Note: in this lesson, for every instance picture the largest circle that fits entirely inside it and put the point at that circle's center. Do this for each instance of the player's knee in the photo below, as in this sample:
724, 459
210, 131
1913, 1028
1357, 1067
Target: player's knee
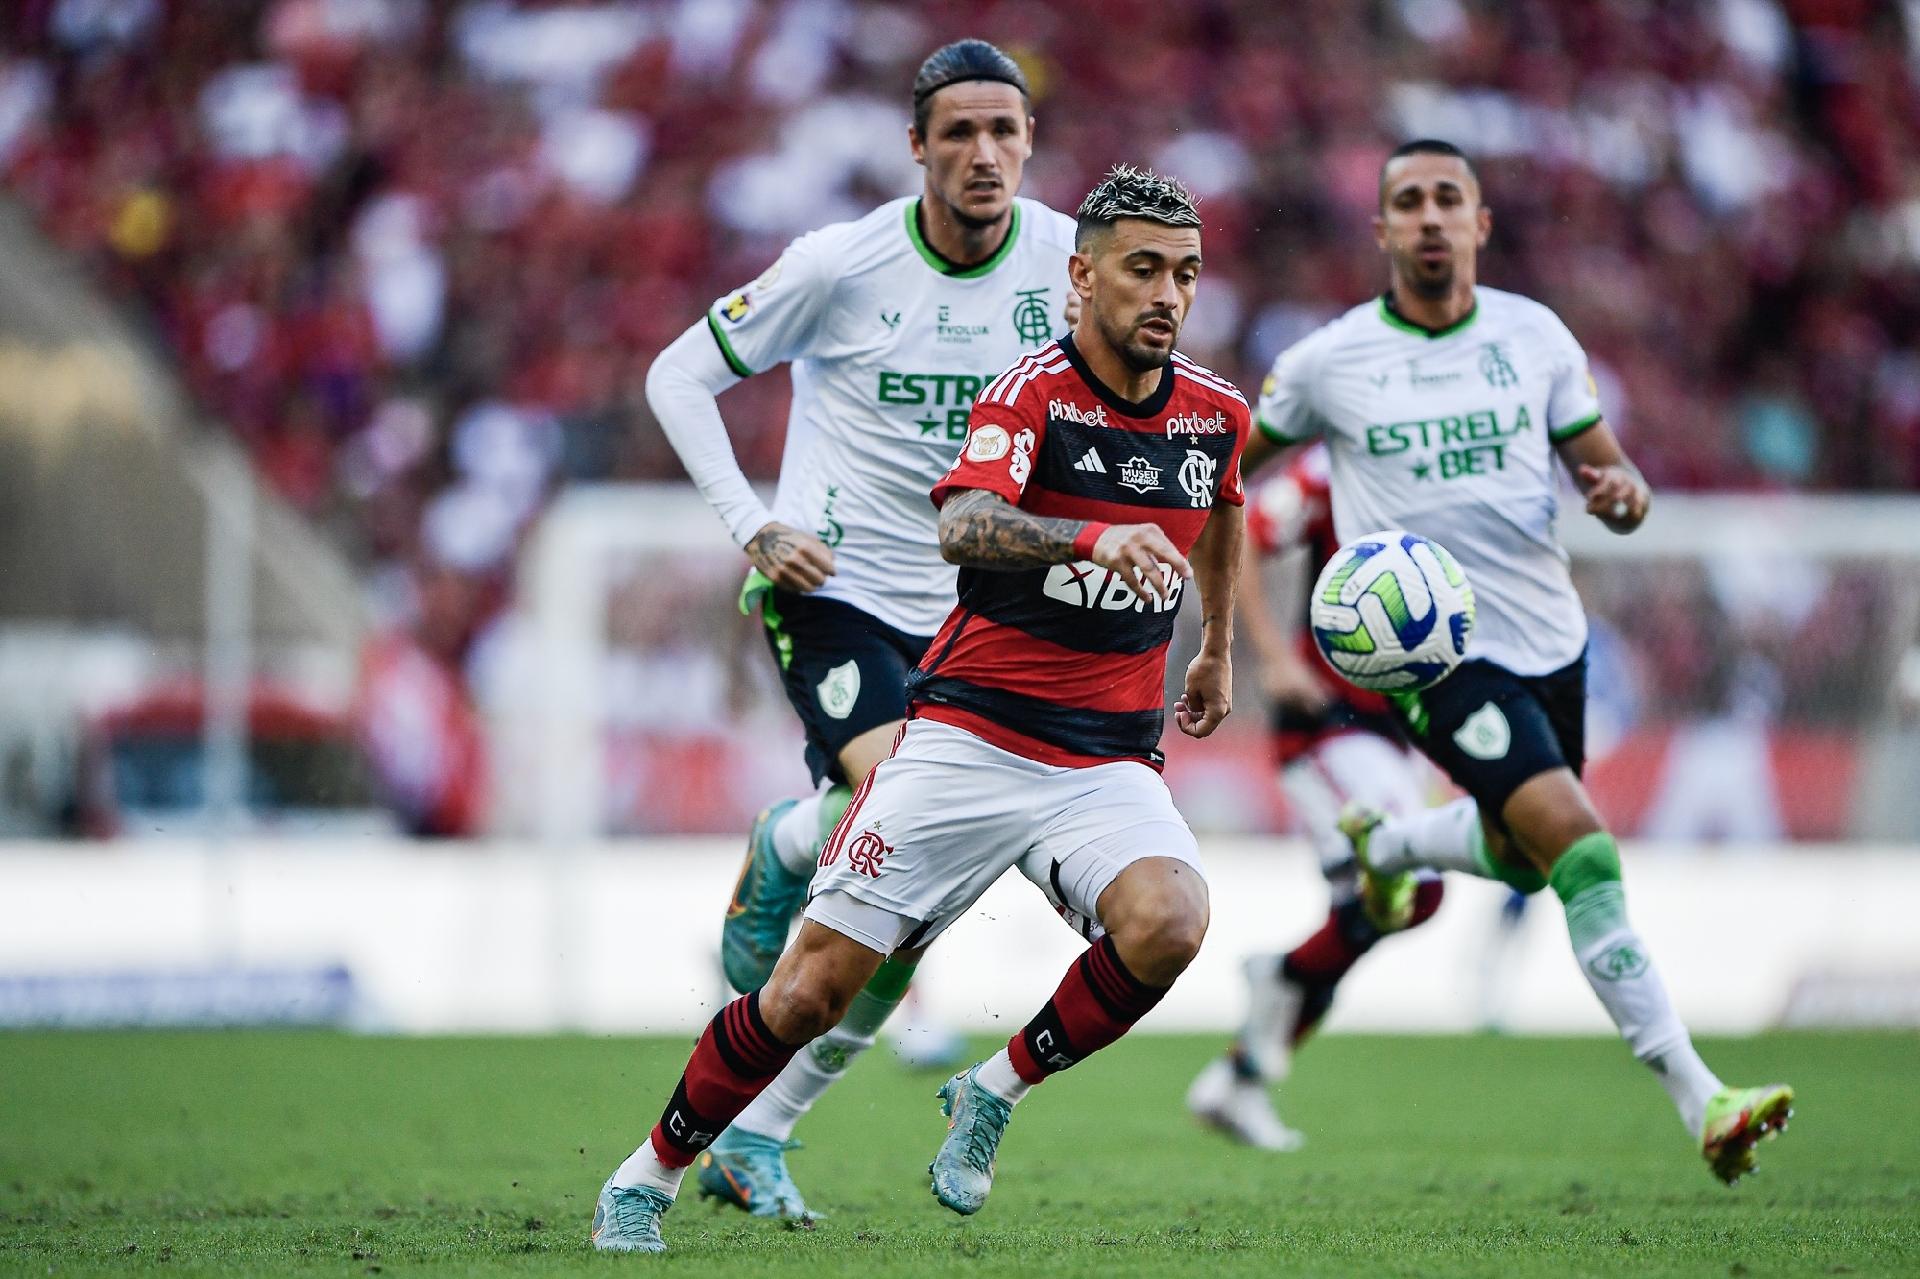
808, 994
1161, 936
799, 1010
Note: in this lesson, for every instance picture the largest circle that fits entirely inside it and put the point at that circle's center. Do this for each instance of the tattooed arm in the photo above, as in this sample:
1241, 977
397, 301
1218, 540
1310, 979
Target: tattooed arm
983, 530
979, 529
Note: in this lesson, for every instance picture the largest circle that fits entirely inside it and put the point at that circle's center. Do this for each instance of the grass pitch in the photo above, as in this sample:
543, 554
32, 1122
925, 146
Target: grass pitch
264, 1153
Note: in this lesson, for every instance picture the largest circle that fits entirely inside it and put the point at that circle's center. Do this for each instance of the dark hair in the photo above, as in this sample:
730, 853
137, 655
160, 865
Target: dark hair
1425, 146
956, 63
1127, 192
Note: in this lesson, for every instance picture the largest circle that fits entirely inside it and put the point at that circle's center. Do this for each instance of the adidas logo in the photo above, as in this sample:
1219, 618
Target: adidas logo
1091, 462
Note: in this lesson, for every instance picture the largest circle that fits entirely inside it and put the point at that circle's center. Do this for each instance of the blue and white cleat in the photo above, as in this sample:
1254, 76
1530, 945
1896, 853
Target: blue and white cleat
627, 1219
976, 1120
763, 906
749, 1171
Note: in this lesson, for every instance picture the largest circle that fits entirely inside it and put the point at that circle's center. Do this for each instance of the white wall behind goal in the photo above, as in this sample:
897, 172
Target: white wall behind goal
622, 937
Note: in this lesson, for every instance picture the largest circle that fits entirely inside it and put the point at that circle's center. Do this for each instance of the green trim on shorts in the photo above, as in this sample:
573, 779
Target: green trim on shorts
1409, 704
758, 589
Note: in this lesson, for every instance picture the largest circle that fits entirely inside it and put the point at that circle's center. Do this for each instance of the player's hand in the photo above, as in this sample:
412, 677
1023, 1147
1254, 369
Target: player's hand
792, 560
1073, 309
1209, 695
1136, 552
1294, 685
1615, 494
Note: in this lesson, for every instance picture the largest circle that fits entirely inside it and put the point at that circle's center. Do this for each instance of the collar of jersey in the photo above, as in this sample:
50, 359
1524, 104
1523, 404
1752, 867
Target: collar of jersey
1154, 404
953, 270
1401, 322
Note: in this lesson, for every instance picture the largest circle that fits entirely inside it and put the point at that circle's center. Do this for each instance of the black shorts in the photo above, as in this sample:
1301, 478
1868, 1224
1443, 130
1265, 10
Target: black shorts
1492, 730
844, 670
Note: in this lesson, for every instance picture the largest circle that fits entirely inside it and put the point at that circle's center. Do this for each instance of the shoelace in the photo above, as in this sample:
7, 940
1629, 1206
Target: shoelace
981, 1135
635, 1208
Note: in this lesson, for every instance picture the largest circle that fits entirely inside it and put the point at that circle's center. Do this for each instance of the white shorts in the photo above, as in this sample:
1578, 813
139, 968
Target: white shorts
947, 814
1350, 768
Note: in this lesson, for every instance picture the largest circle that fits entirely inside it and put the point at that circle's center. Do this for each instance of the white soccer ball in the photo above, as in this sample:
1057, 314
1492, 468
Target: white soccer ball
1392, 612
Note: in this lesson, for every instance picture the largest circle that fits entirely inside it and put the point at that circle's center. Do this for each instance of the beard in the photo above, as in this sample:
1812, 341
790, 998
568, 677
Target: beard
1140, 358
1137, 355
1432, 286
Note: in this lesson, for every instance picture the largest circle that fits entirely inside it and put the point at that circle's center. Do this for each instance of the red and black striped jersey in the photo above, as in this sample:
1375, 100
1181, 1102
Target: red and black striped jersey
1066, 664
1295, 509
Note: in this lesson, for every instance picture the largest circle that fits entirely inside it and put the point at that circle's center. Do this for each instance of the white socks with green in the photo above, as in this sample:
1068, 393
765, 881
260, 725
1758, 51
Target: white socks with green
814, 1068
1616, 964
796, 836
803, 829
1443, 838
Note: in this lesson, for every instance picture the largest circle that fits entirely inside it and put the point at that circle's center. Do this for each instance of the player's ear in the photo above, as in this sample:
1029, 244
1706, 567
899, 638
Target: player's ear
917, 145
1031, 122
1080, 272
1380, 231
1484, 221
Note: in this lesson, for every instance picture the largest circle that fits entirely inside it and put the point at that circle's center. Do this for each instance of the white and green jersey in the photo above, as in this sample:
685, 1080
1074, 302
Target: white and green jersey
1450, 435
888, 344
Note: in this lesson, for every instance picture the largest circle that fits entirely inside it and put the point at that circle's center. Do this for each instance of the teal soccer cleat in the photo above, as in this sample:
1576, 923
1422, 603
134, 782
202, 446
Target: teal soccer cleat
763, 906
749, 1171
976, 1120
627, 1219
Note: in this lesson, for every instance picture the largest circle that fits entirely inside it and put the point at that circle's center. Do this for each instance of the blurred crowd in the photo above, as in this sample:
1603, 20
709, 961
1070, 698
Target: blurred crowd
417, 254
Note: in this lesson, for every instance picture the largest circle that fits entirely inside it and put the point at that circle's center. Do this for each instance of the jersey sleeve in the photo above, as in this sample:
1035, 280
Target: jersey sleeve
1232, 491
778, 317
1573, 399
1278, 514
1285, 412
1002, 442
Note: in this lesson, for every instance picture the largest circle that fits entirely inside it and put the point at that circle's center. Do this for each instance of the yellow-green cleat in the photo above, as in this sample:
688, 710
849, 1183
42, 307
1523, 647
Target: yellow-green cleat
763, 906
1386, 899
1738, 1119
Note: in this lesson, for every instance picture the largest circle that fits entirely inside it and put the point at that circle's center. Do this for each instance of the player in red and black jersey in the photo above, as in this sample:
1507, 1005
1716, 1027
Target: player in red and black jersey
1334, 744
1099, 478
1065, 662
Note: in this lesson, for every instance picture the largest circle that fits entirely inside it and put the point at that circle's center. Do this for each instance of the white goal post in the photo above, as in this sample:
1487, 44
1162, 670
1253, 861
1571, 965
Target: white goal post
551, 738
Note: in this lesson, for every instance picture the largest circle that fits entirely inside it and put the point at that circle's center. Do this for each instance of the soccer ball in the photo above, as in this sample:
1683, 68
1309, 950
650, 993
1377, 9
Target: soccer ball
1392, 611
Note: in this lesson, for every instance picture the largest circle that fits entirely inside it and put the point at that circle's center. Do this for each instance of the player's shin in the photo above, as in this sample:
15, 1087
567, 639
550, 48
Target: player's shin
1096, 1003
736, 1058
1616, 964
812, 1071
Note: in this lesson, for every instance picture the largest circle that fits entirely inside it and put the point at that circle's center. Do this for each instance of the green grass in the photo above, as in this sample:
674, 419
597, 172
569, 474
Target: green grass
269, 1153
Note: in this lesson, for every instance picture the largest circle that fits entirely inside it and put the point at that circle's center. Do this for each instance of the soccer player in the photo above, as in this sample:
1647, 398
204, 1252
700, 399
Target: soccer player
891, 325
1099, 475
1443, 405
1335, 745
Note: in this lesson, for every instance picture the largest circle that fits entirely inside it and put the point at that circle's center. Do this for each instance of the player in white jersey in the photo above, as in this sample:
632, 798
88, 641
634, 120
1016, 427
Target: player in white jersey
889, 326
1443, 405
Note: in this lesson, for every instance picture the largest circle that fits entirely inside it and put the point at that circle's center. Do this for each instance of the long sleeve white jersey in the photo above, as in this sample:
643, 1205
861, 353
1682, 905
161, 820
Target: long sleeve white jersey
1450, 435
888, 344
